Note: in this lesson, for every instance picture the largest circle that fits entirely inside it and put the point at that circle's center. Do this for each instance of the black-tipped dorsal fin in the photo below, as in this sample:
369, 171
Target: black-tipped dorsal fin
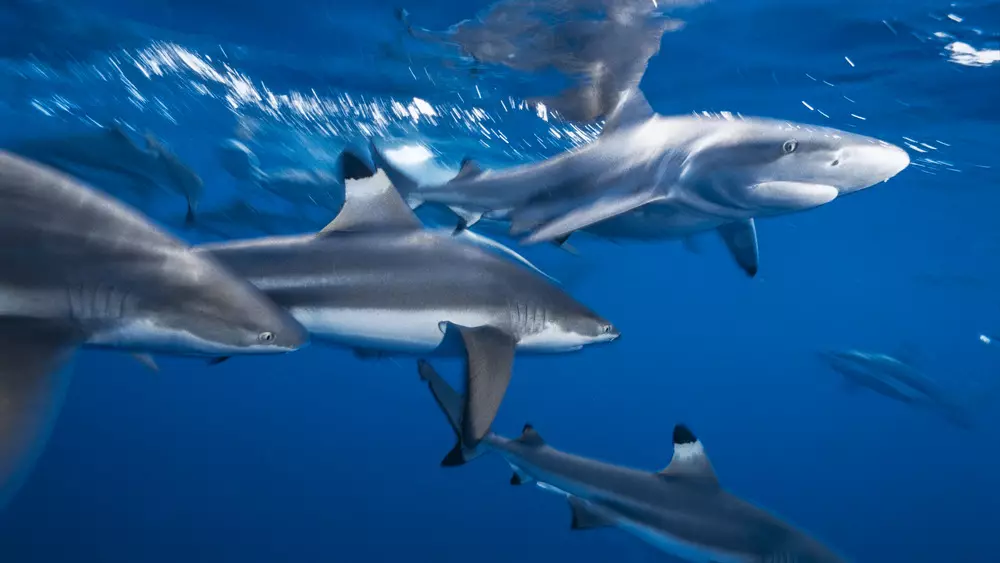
373, 204
632, 109
530, 436
689, 460
468, 170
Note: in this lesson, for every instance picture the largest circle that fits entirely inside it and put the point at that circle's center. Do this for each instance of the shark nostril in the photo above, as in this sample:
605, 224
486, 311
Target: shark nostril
835, 162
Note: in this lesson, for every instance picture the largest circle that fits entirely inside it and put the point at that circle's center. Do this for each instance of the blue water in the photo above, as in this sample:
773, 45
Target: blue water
320, 456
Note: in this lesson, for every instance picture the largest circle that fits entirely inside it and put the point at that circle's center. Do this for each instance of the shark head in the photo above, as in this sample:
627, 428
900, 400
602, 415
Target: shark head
199, 309
772, 167
566, 328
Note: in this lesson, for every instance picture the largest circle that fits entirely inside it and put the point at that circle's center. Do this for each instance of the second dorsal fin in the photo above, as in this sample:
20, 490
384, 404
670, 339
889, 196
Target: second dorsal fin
530, 436
373, 204
468, 170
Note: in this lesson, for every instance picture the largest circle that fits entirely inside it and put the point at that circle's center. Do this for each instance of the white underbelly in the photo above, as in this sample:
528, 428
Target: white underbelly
384, 329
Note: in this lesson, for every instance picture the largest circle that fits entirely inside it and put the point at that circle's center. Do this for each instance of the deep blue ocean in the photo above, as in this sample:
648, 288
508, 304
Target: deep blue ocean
320, 456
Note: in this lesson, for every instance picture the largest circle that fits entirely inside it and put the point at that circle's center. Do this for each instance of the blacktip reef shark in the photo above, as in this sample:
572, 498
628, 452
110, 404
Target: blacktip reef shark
375, 280
681, 510
109, 158
77, 268
651, 177
899, 379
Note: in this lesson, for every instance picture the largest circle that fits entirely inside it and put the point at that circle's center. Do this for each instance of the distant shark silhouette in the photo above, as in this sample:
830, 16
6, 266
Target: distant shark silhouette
900, 380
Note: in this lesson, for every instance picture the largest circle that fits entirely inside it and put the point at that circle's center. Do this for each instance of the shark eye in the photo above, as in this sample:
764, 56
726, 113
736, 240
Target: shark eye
789, 146
265, 337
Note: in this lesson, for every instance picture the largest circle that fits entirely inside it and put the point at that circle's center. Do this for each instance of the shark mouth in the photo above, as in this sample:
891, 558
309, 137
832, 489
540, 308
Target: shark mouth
792, 195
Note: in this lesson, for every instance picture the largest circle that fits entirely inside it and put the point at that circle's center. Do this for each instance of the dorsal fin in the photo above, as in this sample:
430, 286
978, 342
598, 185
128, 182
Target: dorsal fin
468, 170
373, 204
690, 460
117, 131
632, 109
153, 144
530, 436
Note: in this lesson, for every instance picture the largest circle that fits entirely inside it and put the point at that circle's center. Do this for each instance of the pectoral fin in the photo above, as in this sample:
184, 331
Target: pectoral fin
489, 358
597, 210
146, 360
32, 388
741, 240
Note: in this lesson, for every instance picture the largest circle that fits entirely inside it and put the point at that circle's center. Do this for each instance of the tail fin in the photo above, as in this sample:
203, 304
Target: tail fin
403, 182
189, 217
451, 403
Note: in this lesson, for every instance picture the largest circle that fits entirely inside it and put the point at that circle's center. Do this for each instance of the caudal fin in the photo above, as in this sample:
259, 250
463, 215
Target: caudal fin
189, 218
452, 404
405, 184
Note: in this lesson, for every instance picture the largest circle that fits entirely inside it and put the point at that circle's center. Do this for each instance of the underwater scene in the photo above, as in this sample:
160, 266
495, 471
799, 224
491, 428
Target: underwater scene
499, 281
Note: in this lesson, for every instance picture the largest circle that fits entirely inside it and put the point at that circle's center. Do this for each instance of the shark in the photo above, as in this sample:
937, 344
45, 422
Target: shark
80, 269
681, 510
377, 281
900, 380
110, 158
649, 177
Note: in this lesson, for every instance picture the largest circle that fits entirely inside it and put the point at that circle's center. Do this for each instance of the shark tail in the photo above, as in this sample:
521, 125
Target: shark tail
189, 217
451, 403
409, 188
405, 184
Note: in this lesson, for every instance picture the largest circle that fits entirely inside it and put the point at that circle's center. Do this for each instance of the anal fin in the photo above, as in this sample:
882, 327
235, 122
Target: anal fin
585, 517
33, 383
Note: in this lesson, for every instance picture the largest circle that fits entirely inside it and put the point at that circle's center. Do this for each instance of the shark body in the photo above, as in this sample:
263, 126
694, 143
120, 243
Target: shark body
681, 510
652, 177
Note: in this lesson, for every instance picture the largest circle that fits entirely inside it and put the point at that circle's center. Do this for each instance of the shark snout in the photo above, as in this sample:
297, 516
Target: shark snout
612, 333
868, 164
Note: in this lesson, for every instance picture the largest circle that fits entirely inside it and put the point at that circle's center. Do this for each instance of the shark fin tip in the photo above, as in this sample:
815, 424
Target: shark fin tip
683, 435
455, 457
